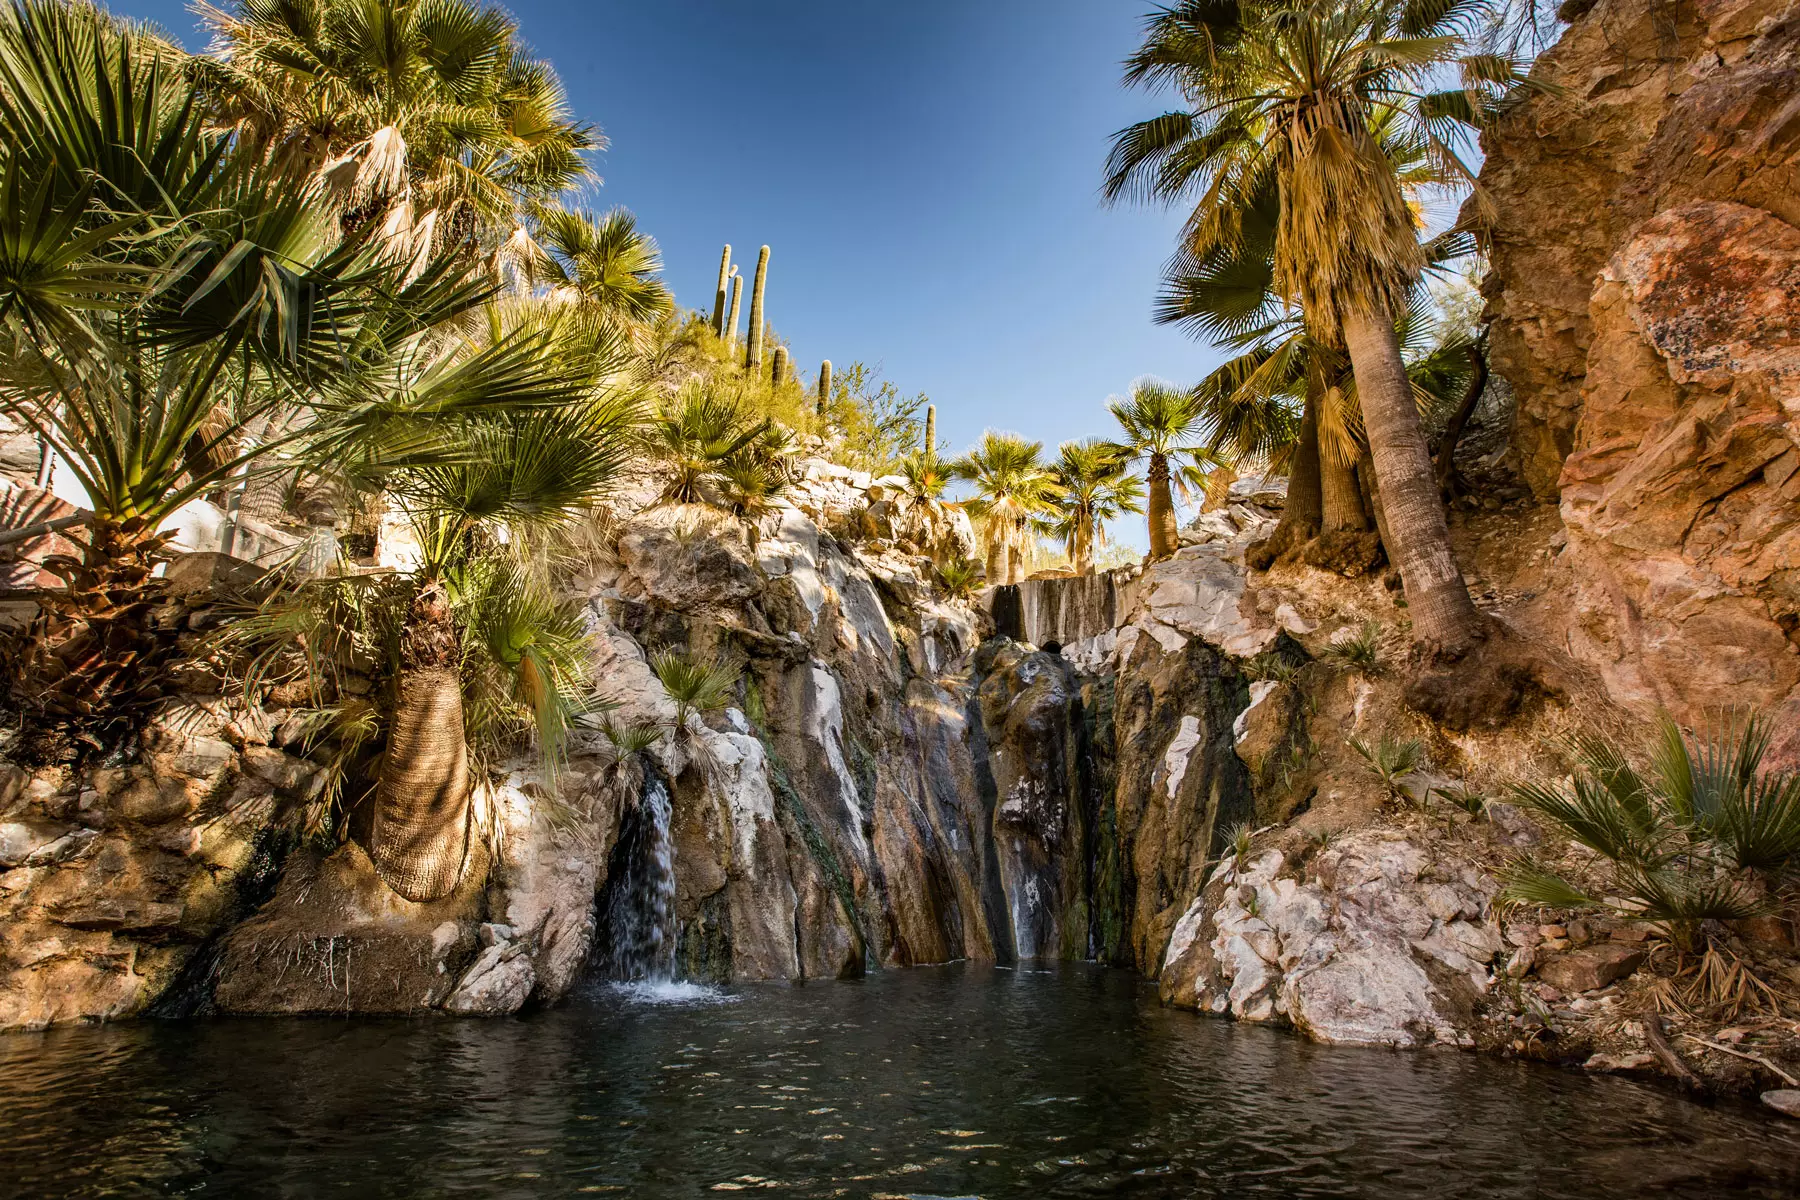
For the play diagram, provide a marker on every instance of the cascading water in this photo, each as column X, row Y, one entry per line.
column 640, row 910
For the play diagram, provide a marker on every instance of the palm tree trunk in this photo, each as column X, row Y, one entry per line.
column 1342, row 501
column 1084, row 550
column 1443, row 616
column 1301, row 514
column 1164, row 536
column 996, row 559
column 419, row 839
column 92, row 662
column 1305, row 506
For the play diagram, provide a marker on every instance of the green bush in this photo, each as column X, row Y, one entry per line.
column 1704, row 834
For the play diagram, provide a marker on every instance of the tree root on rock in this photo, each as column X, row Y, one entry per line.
column 1484, row 685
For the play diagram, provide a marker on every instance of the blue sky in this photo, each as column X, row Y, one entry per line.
column 926, row 175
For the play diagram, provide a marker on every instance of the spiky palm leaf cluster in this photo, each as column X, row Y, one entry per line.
column 1094, row 486
column 716, row 451
column 1013, row 493
column 697, row 683
column 960, row 578
column 427, row 111
column 1705, row 834
column 1393, row 760
column 602, row 260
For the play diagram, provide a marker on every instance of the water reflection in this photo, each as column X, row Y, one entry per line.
column 950, row 1082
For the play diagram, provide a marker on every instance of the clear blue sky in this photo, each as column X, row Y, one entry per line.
column 926, row 175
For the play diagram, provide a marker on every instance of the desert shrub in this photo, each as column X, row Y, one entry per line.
column 1705, row 834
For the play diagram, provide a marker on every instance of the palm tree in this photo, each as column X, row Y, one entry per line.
column 1166, row 428
column 1708, row 834
column 1287, row 398
column 603, row 260
column 921, row 504
column 1313, row 94
column 168, row 303
column 1094, row 488
column 469, row 484
column 697, row 436
column 1013, row 489
column 431, row 102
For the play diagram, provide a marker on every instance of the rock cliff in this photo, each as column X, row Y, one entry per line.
column 1645, row 304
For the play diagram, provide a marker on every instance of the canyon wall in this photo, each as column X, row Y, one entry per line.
column 1645, row 304
column 884, row 788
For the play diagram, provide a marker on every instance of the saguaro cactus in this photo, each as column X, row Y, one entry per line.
column 931, row 429
column 824, row 385
column 779, row 372
column 737, row 294
column 753, row 357
column 718, row 321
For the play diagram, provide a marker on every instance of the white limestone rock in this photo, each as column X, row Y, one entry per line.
column 1378, row 945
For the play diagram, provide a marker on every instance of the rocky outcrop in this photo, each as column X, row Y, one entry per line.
column 1047, row 797
column 1080, row 613
column 1180, row 787
column 335, row 939
column 1647, row 317
column 879, row 793
column 113, row 879
column 1380, row 939
column 874, row 792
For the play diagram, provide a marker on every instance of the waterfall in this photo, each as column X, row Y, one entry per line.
column 640, row 913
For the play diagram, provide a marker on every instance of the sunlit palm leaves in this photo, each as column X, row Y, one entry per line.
column 527, row 659
column 603, row 260
column 696, row 683
column 1093, row 487
column 429, row 101
column 1013, row 492
column 1335, row 101
column 1167, row 429
column 695, row 435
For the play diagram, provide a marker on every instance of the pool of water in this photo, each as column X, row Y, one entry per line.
column 957, row 1081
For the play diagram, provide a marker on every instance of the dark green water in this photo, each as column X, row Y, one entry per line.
column 957, row 1081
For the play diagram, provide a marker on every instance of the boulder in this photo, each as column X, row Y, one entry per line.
column 1589, row 968
column 690, row 556
column 336, row 939
column 1785, row 1101
column 1383, row 942
column 205, row 574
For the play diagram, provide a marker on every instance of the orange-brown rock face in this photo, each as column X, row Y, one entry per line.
column 1646, row 305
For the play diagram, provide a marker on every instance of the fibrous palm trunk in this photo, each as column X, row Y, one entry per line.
column 1443, row 616
column 1303, row 511
column 1164, row 536
column 996, row 559
column 93, row 661
column 420, row 834
column 1084, row 549
column 1341, row 500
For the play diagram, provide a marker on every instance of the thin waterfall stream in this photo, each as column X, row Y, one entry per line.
column 638, row 910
